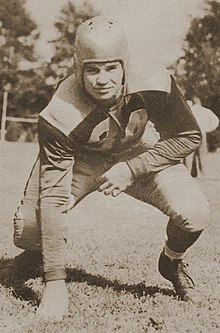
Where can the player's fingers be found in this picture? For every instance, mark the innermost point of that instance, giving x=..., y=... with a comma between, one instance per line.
x=109, y=190
x=116, y=192
x=104, y=186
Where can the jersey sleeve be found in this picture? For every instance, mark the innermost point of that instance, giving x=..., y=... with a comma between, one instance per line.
x=181, y=133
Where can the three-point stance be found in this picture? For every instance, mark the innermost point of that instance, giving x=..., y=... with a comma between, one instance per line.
x=110, y=129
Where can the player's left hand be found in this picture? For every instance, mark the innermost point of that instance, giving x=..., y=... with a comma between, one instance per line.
x=116, y=179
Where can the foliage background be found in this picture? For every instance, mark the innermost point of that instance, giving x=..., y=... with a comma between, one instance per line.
x=198, y=70
x=32, y=82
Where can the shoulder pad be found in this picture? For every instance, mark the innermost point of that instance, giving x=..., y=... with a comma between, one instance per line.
x=71, y=92
x=152, y=77
x=68, y=107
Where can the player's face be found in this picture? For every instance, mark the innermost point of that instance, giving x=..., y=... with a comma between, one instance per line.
x=103, y=80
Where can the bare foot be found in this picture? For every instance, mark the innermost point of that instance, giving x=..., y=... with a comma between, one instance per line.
x=54, y=302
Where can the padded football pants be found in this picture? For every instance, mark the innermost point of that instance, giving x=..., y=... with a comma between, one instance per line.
x=172, y=191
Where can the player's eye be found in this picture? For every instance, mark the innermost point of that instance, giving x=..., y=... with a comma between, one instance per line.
x=91, y=70
x=112, y=67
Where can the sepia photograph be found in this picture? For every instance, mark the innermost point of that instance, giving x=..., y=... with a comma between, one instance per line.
x=109, y=160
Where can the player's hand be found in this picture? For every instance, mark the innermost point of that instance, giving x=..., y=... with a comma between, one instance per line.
x=116, y=179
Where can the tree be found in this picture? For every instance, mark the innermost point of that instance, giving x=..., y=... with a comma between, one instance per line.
x=198, y=71
x=70, y=18
x=18, y=34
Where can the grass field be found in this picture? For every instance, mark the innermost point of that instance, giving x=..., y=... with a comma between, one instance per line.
x=114, y=244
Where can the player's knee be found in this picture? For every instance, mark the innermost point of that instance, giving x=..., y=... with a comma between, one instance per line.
x=18, y=228
x=27, y=241
x=195, y=217
x=201, y=217
x=26, y=232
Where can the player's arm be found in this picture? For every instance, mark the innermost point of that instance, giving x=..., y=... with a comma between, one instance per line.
x=184, y=136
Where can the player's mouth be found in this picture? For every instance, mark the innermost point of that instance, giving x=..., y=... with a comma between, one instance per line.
x=104, y=90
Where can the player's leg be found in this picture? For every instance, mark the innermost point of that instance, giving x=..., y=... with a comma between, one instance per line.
x=54, y=302
x=87, y=177
x=176, y=194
